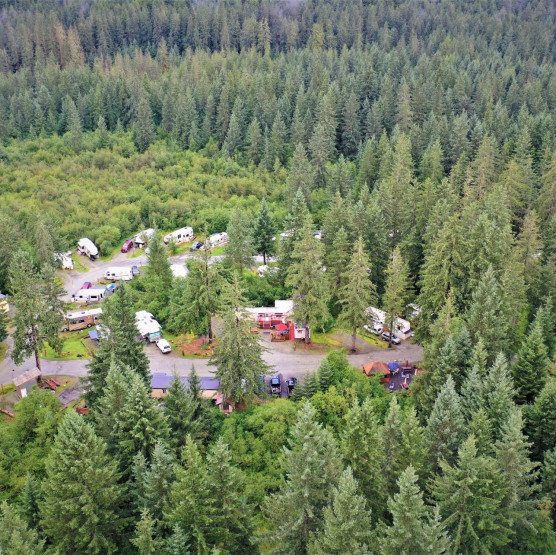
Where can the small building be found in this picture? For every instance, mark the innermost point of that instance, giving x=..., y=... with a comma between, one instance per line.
x=402, y=328
x=380, y=368
x=161, y=382
x=269, y=316
x=26, y=381
x=4, y=306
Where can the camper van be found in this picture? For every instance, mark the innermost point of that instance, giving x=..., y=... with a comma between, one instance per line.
x=116, y=274
x=218, y=239
x=93, y=295
x=142, y=238
x=87, y=247
x=148, y=328
x=81, y=319
x=182, y=235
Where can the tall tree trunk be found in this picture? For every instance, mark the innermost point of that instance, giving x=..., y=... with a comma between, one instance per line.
x=264, y=258
x=307, y=333
x=37, y=358
x=36, y=347
x=353, y=339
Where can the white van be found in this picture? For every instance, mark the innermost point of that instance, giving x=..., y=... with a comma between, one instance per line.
x=182, y=235
x=116, y=274
x=95, y=294
x=217, y=239
x=87, y=247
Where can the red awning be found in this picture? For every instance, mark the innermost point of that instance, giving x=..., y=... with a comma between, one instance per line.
x=280, y=327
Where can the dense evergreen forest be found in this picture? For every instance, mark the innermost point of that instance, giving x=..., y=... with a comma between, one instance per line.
x=419, y=136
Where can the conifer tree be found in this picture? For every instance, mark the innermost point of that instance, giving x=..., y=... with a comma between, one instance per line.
x=547, y=322
x=392, y=445
x=16, y=537
x=3, y=326
x=264, y=232
x=80, y=511
x=234, y=140
x=549, y=479
x=542, y=421
x=301, y=174
x=254, y=141
x=308, y=281
x=177, y=543
x=312, y=465
x=414, y=529
x=240, y=243
x=39, y=309
x=293, y=225
x=143, y=132
x=445, y=426
x=362, y=449
x=180, y=408
x=499, y=394
x=530, y=371
x=73, y=125
x=31, y=496
x=358, y=293
x=158, y=277
x=143, y=540
x=238, y=358
x=347, y=522
x=396, y=291
x=480, y=428
x=337, y=261
x=102, y=132
x=470, y=496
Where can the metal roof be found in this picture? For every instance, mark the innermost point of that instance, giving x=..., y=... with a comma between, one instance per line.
x=27, y=377
x=160, y=380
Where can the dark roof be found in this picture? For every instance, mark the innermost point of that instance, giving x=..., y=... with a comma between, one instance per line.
x=160, y=380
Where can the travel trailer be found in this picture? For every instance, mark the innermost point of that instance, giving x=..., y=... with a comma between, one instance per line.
x=142, y=238
x=116, y=274
x=148, y=328
x=218, y=239
x=64, y=260
x=81, y=319
x=93, y=295
x=182, y=235
x=87, y=247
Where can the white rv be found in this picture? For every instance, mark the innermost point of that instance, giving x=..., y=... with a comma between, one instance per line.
x=86, y=246
x=142, y=238
x=93, y=295
x=182, y=235
x=147, y=326
x=116, y=274
x=218, y=239
x=64, y=260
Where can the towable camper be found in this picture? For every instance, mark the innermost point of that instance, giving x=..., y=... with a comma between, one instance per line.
x=116, y=274
x=81, y=319
x=218, y=239
x=87, y=247
x=93, y=295
x=142, y=238
x=182, y=235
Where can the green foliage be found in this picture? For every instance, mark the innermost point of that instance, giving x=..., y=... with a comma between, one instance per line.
x=15, y=535
x=264, y=232
x=240, y=244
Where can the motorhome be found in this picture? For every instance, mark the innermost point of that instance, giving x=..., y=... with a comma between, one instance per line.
x=218, y=239
x=182, y=235
x=142, y=238
x=93, y=295
x=81, y=319
x=87, y=247
x=148, y=328
x=118, y=274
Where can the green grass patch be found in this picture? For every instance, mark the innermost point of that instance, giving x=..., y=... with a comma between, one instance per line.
x=77, y=266
x=373, y=340
x=217, y=251
x=319, y=338
x=3, y=349
x=7, y=389
x=75, y=347
x=137, y=253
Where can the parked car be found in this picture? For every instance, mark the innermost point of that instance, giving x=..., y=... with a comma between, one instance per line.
x=135, y=270
x=196, y=246
x=164, y=346
x=292, y=382
x=386, y=336
x=276, y=385
x=87, y=285
x=127, y=246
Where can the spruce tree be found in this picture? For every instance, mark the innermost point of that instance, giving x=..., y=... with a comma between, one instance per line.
x=549, y=479
x=254, y=141
x=3, y=326
x=312, y=466
x=80, y=511
x=480, y=428
x=16, y=537
x=73, y=125
x=293, y=224
x=158, y=277
x=143, y=540
x=31, y=496
x=240, y=244
x=337, y=260
x=542, y=421
x=347, y=522
x=180, y=408
x=301, y=175
x=531, y=368
x=445, y=426
x=414, y=528
x=264, y=232
x=143, y=132
x=471, y=496
x=358, y=293
x=238, y=357
x=308, y=281
x=396, y=291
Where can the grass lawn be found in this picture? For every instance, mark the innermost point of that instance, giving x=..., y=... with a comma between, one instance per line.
x=372, y=339
x=108, y=256
x=3, y=349
x=77, y=266
x=319, y=338
x=75, y=344
x=217, y=251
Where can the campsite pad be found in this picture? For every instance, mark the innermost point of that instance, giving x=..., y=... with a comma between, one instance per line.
x=344, y=340
x=71, y=394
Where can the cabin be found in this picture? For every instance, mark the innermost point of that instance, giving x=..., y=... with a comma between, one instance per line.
x=4, y=306
x=378, y=368
x=267, y=317
x=402, y=328
x=26, y=381
x=160, y=383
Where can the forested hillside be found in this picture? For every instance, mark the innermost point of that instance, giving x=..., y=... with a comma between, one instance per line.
x=419, y=137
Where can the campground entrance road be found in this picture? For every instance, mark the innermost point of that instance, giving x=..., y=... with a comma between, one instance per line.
x=288, y=362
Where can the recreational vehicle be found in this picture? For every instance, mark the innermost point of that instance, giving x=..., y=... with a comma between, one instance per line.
x=93, y=295
x=218, y=239
x=148, y=328
x=142, y=238
x=116, y=274
x=81, y=319
x=87, y=247
x=64, y=260
x=182, y=235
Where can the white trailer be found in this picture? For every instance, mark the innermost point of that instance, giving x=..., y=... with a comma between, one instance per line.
x=143, y=237
x=147, y=326
x=64, y=260
x=86, y=246
x=93, y=295
x=182, y=235
x=116, y=273
x=217, y=239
